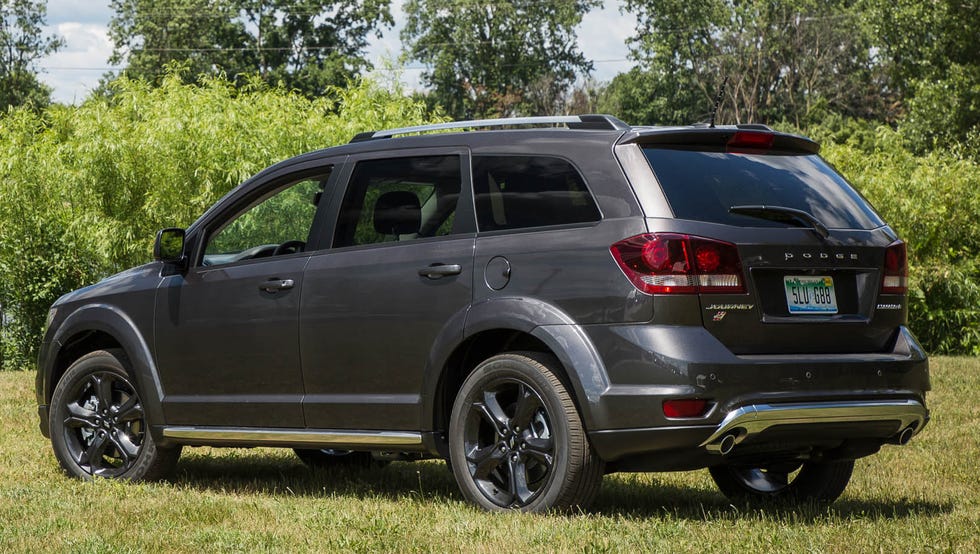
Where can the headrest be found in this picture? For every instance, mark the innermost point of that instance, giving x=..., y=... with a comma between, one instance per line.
x=397, y=213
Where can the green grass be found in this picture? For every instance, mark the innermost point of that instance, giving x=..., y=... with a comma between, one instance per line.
x=921, y=497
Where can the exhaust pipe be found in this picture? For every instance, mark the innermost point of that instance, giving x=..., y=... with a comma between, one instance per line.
x=723, y=446
x=904, y=436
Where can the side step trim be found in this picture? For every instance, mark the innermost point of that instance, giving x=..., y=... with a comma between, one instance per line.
x=323, y=438
x=754, y=419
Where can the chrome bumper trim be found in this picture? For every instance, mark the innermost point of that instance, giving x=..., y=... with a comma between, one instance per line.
x=752, y=420
x=294, y=437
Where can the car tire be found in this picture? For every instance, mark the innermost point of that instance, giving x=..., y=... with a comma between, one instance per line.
x=516, y=439
x=98, y=424
x=821, y=482
x=326, y=458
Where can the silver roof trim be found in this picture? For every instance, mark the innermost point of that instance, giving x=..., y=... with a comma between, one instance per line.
x=590, y=121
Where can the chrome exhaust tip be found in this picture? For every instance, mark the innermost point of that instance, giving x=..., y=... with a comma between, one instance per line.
x=724, y=445
x=903, y=437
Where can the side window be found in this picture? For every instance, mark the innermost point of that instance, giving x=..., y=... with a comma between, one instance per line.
x=274, y=225
x=514, y=192
x=399, y=199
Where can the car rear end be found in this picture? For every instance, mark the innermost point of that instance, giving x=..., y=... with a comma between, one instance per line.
x=780, y=307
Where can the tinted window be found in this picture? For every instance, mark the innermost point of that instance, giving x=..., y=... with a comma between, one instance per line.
x=277, y=219
x=703, y=185
x=529, y=191
x=399, y=199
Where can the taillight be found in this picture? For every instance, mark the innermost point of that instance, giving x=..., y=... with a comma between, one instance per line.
x=750, y=140
x=685, y=407
x=668, y=263
x=895, y=279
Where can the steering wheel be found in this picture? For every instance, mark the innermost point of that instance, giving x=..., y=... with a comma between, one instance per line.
x=289, y=247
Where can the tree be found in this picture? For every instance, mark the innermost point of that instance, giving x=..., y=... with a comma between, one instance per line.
x=497, y=57
x=930, y=52
x=22, y=43
x=781, y=59
x=306, y=44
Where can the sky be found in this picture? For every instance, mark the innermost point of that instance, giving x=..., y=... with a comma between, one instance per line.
x=74, y=71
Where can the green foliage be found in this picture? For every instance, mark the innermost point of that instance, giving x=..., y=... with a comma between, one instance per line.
x=307, y=45
x=780, y=59
x=85, y=188
x=498, y=57
x=22, y=43
x=931, y=201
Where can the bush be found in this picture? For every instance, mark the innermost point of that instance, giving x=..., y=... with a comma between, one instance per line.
x=85, y=188
x=931, y=201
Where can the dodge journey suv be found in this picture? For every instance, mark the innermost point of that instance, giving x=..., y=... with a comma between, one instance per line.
x=538, y=301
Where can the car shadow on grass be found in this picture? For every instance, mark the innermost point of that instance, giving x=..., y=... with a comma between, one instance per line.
x=243, y=472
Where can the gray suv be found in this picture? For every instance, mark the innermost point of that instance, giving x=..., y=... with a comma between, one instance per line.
x=538, y=301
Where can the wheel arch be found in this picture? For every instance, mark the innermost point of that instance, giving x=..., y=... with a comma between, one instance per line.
x=98, y=327
x=512, y=324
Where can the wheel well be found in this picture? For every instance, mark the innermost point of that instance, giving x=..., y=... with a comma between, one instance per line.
x=75, y=347
x=468, y=355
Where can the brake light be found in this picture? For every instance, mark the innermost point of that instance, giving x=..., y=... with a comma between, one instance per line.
x=686, y=407
x=895, y=279
x=668, y=263
x=751, y=140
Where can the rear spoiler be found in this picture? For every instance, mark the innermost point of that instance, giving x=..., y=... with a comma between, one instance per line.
x=740, y=138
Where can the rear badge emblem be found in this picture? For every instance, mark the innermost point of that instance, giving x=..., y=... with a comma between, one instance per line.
x=889, y=306
x=719, y=316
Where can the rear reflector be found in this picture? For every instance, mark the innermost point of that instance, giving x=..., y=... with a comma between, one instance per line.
x=751, y=140
x=895, y=279
x=687, y=407
x=668, y=263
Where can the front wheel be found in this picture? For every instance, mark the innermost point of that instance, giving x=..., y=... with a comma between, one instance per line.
x=794, y=482
x=98, y=426
x=516, y=440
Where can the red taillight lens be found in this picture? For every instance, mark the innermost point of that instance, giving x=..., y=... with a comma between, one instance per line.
x=895, y=279
x=668, y=263
x=751, y=140
x=686, y=407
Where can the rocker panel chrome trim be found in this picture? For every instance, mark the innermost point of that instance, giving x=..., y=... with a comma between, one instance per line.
x=295, y=437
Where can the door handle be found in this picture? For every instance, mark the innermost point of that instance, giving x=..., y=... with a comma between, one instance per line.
x=436, y=271
x=274, y=285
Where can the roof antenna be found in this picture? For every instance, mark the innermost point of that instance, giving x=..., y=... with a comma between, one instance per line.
x=721, y=91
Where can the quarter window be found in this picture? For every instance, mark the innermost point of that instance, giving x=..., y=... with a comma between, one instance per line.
x=399, y=199
x=514, y=192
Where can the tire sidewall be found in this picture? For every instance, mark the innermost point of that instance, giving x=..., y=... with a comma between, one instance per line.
x=495, y=369
x=85, y=366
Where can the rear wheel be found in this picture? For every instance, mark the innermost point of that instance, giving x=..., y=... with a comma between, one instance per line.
x=516, y=440
x=98, y=426
x=808, y=481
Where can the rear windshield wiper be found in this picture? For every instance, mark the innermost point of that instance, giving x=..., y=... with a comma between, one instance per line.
x=780, y=213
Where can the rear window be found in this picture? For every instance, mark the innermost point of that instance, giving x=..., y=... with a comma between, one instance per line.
x=703, y=185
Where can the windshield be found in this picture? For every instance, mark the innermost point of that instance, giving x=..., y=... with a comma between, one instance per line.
x=703, y=185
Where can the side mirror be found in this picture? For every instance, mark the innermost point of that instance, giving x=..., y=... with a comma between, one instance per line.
x=169, y=246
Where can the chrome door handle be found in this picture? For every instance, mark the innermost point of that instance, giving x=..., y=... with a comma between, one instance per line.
x=436, y=271
x=274, y=285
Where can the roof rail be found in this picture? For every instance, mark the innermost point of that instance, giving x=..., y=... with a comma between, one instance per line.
x=596, y=122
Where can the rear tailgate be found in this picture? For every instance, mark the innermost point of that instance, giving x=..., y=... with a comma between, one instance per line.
x=812, y=251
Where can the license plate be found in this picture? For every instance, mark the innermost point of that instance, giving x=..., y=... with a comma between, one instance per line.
x=807, y=294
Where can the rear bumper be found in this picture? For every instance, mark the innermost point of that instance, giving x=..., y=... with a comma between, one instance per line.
x=815, y=401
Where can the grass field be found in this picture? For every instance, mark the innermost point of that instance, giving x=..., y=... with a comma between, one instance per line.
x=923, y=497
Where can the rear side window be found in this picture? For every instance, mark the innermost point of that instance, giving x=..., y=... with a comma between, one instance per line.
x=703, y=185
x=399, y=199
x=514, y=192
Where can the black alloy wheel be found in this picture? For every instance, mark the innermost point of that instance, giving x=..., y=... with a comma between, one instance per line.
x=516, y=440
x=792, y=482
x=98, y=425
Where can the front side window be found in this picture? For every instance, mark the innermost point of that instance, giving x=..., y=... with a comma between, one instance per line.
x=399, y=199
x=514, y=192
x=274, y=225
